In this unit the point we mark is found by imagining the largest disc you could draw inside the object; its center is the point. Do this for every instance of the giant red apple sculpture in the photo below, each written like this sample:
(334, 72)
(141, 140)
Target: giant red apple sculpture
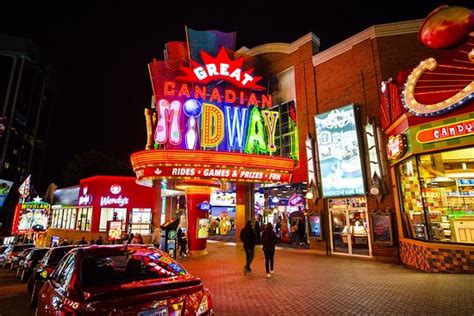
(446, 26)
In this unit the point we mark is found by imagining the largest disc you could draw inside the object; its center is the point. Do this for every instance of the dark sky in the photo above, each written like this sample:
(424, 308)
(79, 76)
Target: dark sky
(99, 50)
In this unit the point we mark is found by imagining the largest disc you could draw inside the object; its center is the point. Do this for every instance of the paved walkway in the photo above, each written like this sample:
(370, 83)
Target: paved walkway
(309, 284)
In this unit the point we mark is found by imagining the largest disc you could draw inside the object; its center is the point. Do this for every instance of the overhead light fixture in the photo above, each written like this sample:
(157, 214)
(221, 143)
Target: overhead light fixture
(309, 195)
(275, 199)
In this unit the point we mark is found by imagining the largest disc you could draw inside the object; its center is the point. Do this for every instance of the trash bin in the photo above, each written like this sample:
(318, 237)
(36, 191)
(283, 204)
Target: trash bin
(168, 242)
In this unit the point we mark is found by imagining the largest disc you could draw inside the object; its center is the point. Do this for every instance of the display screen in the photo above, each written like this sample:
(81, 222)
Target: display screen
(315, 225)
(202, 228)
(114, 230)
(5, 187)
(339, 152)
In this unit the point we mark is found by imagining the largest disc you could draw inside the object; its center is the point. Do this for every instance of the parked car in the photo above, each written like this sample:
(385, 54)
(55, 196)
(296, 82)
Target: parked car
(16, 259)
(45, 267)
(12, 251)
(122, 280)
(26, 266)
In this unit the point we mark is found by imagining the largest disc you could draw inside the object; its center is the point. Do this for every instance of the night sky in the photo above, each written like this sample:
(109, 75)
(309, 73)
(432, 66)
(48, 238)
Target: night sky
(98, 52)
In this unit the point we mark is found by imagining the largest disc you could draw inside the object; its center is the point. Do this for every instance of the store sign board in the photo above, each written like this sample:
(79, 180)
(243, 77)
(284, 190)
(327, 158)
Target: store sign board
(114, 200)
(295, 200)
(194, 111)
(215, 173)
(339, 152)
(447, 131)
(33, 215)
(396, 147)
(114, 230)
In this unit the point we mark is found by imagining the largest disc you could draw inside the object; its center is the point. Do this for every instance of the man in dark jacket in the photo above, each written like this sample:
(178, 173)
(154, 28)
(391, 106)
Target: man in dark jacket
(249, 239)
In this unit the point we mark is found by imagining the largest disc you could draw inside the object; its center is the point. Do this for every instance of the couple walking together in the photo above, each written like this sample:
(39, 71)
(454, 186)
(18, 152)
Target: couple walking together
(269, 240)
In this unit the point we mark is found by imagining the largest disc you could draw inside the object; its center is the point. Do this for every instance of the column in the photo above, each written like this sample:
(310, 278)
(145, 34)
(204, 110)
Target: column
(194, 197)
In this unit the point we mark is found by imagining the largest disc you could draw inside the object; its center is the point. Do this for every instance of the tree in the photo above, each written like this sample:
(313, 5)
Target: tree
(94, 163)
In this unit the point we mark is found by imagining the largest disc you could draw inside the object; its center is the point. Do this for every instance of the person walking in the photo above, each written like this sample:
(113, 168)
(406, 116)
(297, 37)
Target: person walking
(249, 239)
(99, 241)
(257, 231)
(82, 241)
(269, 240)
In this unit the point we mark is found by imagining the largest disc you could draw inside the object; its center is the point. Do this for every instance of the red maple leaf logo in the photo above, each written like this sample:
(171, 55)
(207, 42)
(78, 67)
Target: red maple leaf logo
(221, 67)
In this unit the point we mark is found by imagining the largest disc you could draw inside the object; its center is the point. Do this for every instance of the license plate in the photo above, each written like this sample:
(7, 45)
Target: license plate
(161, 311)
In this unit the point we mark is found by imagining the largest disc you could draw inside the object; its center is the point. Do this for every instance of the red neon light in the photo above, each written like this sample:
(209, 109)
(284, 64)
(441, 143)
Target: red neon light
(221, 67)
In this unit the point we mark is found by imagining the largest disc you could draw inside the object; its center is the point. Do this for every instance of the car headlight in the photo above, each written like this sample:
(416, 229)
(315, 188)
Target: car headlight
(203, 306)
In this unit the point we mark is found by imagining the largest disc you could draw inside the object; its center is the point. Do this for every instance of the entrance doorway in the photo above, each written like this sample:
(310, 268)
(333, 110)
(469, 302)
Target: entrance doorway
(349, 227)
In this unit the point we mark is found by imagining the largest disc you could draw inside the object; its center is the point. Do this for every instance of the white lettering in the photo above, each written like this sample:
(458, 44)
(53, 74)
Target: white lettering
(247, 78)
(225, 69)
(107, 200)
(200, 73)
(236, 74)
(212, 70)
(182, 172)
(436, 133)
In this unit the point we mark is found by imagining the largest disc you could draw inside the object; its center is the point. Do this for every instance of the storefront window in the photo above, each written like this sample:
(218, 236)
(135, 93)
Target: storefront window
(444, 194)
(107, 214)
(286, 136)
(84, 218)
(64, 218)
(141, 221)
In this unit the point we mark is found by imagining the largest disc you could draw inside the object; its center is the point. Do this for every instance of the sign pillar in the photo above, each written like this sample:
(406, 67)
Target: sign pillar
(244, 207)
(195, 196)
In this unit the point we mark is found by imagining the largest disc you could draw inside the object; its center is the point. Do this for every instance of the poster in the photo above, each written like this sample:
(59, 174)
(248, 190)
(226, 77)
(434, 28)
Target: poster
(5, 187)
(382, 229)
(202, 228)
(34, 216)
(315, 225)
(114, 230)
(338, 146)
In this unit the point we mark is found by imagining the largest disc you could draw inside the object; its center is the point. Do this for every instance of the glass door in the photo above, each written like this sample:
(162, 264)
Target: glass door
(350, 231)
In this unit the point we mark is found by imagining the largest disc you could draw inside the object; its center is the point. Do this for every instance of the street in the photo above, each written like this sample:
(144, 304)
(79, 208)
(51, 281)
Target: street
(304, 284)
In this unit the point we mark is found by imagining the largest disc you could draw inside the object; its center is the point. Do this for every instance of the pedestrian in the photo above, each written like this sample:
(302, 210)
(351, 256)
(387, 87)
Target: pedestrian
(155, 239)
(257, 231)
(92, 242)
(179, 235)
(137, 239)
(269, 240)
(301, 231)
(65, 242)
(183, 246)
(249, 239)
(99, 241)
(131, 238)
(82, 241)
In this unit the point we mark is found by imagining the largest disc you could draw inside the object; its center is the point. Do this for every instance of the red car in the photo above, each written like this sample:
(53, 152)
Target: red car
(122, 280)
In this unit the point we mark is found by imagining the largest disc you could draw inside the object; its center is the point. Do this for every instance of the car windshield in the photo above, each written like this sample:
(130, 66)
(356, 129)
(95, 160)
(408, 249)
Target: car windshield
(37, 254)
(57, 255)
(19, 248)
(128, 266)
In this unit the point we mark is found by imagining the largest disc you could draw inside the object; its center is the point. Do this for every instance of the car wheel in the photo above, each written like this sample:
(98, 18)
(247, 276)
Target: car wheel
(34, 296)
(31, 282)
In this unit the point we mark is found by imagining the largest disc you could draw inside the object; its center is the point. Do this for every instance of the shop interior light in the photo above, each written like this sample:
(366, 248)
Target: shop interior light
(309, 195)
(275, 199)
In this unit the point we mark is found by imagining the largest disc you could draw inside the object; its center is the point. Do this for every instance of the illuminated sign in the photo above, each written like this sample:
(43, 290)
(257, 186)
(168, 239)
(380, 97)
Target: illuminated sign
(448, 131)
(214, 106)
(204, 206)
(33, 215)
(450, 73)
(339, 152)
(216, 173)
(85, 198)
(118, 200)
(221, 67)
(396, 147)
(295, 200)
(114, 230)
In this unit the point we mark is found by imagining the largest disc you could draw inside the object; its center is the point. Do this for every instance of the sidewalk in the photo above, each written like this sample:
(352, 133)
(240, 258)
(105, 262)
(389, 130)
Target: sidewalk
(309, 284)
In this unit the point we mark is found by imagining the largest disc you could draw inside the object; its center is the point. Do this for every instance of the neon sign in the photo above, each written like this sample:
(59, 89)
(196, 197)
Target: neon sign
(444, 132)
(195, 110)
(396, 147)
(118, 200)
(221, 67)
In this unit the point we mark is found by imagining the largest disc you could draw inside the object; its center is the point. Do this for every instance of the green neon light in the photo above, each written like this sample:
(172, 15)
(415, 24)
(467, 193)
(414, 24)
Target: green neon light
(256, 133)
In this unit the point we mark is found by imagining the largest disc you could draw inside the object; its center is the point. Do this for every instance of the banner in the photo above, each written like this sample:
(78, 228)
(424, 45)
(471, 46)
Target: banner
(24, 188)
(5, 187)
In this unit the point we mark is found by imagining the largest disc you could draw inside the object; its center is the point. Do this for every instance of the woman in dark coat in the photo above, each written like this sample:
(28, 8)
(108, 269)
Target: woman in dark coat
(269, 240)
